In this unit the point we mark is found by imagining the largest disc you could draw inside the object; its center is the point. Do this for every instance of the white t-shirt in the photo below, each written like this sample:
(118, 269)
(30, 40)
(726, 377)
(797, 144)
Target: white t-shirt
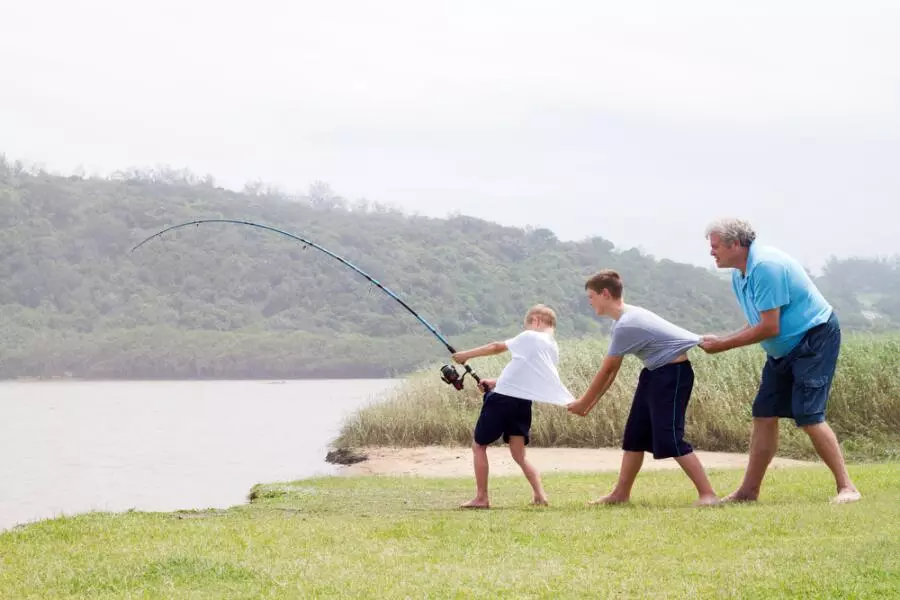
(532, 372)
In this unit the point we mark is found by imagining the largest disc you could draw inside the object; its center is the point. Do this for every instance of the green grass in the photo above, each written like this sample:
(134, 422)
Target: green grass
(379, 537)
(864, 408)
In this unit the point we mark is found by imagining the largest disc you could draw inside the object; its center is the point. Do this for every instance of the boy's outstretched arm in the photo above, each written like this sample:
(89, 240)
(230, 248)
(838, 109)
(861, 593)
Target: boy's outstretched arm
(486, 350)
(600, 384)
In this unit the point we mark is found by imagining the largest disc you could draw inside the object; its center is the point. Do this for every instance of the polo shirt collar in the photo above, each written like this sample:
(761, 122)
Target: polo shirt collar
(751, 262)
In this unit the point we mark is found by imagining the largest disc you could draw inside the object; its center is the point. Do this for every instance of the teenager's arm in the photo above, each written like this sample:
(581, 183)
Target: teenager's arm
(599, 385)
(486, 350)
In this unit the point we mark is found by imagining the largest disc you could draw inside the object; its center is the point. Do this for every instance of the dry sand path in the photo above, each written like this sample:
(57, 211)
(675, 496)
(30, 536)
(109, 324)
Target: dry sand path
(441, 461)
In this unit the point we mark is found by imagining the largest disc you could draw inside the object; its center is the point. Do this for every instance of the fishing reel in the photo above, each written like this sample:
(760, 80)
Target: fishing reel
(451, 376)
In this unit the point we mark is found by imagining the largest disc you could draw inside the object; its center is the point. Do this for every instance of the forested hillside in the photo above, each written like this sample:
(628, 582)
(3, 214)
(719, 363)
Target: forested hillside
(232, 301)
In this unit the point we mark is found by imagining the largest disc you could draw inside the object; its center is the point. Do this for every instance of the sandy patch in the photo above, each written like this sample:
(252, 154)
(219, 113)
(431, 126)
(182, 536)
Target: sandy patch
(441, 461)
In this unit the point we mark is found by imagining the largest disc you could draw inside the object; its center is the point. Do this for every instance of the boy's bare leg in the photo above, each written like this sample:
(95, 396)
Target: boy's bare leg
(694, 469)
(480, 461)
(828, 449)
(763, 446)
(631, 465)
(517, 450)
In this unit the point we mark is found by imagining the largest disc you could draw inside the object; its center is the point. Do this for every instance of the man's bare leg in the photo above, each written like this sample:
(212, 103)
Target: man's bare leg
(829, 450)
(480, 462)
(691, 465)
(763, 446)
(517, 450)
(631, 465)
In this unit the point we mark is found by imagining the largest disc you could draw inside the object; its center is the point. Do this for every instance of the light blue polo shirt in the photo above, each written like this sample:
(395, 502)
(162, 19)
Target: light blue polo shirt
(775, 280)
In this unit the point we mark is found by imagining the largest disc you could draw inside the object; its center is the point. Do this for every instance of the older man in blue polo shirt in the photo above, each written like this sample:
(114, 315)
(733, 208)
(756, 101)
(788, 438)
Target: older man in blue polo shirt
(797, 327)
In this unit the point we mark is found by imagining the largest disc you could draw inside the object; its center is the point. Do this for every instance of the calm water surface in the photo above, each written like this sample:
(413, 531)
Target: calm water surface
(71, 447)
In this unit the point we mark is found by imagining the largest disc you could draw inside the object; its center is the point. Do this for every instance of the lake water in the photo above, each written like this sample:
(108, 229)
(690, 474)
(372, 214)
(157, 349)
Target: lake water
(71, 447)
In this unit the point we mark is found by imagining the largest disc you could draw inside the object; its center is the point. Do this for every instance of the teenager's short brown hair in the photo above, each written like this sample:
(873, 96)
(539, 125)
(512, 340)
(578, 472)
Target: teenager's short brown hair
(607, 279)
(544, 312)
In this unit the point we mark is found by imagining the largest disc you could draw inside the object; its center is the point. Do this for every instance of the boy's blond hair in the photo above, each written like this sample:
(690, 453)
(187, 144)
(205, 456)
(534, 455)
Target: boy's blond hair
(544, 313)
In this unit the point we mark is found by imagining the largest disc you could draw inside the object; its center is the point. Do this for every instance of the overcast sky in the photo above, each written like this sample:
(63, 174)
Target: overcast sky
(636, 121)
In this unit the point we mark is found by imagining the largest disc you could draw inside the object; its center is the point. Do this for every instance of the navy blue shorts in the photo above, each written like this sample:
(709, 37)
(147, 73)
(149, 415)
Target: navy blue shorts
(656, 421)
(502, 415)
(796, 386)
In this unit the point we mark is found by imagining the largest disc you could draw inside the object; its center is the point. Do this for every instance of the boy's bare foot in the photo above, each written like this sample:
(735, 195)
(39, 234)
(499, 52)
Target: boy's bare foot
(739, 496)
(612, 498)
(476, 503)
(540, 502)
(846, 496)
(708, 500)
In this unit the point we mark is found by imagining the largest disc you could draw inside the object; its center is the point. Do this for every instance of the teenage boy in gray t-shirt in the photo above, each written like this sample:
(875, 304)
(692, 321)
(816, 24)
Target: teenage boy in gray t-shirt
(656, 421)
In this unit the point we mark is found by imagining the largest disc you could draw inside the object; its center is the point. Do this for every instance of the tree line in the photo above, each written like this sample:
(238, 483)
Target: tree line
(229, 301)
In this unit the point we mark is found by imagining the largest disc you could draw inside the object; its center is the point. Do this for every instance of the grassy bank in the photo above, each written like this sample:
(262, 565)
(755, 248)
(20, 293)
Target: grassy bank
(864, 407)
(401, 538)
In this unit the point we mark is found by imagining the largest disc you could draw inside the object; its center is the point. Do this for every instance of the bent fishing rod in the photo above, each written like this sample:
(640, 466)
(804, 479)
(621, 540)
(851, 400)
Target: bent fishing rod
(448, 373)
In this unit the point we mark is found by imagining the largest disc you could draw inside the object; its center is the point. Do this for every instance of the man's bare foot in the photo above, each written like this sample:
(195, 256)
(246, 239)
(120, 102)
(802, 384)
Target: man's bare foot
(540, 502)
(846, 496)
(476, 503)
(708, 500)
(612, 498)
(739, 496)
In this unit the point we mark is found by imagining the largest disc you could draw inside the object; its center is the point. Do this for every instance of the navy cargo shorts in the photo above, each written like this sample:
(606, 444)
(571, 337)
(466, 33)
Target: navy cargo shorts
(656, 421)
(797, 385)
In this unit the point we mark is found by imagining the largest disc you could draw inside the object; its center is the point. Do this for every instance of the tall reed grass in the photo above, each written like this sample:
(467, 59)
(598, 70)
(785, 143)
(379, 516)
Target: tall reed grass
(864, 408)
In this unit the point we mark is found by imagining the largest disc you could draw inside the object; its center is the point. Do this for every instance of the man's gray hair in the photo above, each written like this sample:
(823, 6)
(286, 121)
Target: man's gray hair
(732, 230)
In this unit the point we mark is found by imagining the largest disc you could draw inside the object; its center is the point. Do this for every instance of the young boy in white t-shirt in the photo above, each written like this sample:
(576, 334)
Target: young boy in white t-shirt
(531, 375)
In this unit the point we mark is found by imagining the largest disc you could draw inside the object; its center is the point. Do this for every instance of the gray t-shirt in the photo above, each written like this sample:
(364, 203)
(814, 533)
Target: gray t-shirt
(650, 337)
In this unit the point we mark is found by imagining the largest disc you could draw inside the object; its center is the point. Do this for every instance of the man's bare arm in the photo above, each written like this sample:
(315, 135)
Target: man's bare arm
(769, 326)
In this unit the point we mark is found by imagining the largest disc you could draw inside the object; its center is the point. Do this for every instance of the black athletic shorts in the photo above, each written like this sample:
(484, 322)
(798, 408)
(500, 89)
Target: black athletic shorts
(656, 421)
(502, 415)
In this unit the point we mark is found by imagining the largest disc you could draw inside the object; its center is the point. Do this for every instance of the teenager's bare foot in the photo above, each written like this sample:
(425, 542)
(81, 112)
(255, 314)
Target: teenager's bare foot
(612, 498)
(476, 503)
(540, 502)
(847, 495)
(739, 496)
(708, 500)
